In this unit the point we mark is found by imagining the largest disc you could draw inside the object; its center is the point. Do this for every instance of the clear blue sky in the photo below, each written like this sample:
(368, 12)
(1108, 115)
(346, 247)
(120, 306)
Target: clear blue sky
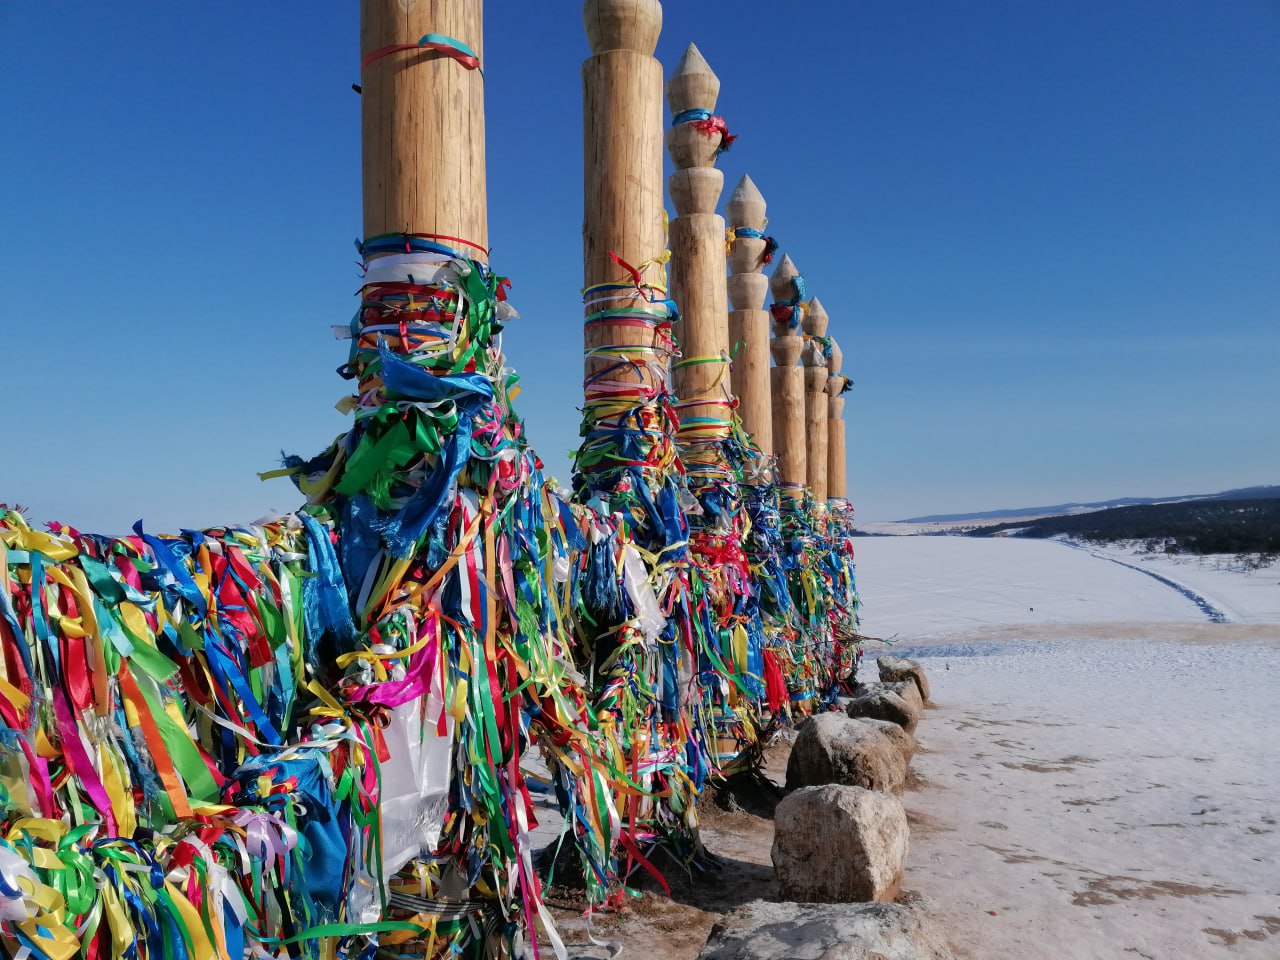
(1048, 235)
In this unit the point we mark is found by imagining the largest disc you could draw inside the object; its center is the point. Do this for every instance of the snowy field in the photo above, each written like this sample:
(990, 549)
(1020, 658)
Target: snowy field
(923, 588)
(1241, 594)
(1101, 776)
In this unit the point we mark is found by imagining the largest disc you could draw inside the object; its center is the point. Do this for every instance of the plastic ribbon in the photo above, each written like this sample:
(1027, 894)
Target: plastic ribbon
(437, 42)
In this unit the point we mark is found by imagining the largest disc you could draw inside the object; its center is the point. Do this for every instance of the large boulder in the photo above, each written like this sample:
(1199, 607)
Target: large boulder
(879, 701)
(905, 742)
(832, 748)
(838, 844)
(762, 930)
(893, 669)
(907, 690)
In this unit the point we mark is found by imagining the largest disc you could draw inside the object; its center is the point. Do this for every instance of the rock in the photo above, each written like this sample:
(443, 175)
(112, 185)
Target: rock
(838, 844)
(796, 931)
(893, 669)
(878, 702)
(831, 748)
(904, 741)
(907, 690)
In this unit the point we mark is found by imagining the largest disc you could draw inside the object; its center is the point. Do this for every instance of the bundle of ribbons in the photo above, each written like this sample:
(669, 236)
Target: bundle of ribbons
(319, 735)
(770, 608)
(458, 562)
(173, 782)
(716, 450)
(646, 637)
(809, 661)
(845, 604)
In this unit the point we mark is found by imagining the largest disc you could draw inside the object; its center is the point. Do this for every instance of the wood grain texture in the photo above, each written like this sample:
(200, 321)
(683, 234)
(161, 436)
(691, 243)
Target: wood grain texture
(816, 405)
(622, 167)
(815, 429)
(622, 25)
(787, 388)
(816, 321)
(747, 291)
(837, 466)
(697, 281)
(697, 247)
(787, 383)
(836, 441)
(749, 333)
(696, 190)
(749, 321)
(422, 123)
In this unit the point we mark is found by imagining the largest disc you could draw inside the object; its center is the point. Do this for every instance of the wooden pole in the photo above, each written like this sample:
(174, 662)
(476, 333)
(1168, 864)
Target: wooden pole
(422, 120)
(749, 320)
(816, 405)
(836, 437)
(622, 186)
(698, 283)
(787, 380)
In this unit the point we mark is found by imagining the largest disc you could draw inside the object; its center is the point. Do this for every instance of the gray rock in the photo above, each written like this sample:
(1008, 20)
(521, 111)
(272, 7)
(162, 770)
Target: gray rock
(796, 931)
(893, 669)
(879, 701)
(838, 844)
(832, 748)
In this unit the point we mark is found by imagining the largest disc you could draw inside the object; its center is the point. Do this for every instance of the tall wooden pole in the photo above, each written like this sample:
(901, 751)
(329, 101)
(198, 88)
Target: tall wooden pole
(787, 378)
(628, 457)
(836, 437)
(749, 320)
(422, 120)
(623, 210)
(698, 283)
(816, 405)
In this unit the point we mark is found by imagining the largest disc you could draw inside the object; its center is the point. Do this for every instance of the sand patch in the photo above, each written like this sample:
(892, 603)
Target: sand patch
(1106, 891)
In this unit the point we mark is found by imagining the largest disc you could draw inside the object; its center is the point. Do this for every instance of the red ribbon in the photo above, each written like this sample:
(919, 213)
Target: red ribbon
(635, 274)
(429, 42)
(775, 687)
(713, 125)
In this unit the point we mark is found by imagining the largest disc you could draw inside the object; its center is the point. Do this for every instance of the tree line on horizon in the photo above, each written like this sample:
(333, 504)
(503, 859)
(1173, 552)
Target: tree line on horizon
(1197, 527)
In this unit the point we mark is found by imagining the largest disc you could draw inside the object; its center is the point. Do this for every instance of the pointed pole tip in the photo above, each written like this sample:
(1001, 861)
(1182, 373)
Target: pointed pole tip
(746, 189)
(692, 62)
(786, 267)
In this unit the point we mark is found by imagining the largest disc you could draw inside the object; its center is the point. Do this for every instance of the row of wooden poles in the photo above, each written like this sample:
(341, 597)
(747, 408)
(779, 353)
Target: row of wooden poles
(424, 173)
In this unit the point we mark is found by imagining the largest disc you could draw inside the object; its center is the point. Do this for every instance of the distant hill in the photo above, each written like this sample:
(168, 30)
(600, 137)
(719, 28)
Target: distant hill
(1268, 492)
(1205, 525)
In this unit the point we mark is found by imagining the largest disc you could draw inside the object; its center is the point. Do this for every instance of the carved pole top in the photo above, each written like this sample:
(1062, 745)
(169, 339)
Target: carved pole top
(814, 359)
(816, 319)
(746, 207)
(782, 282)
(786, 350)
(815, 323)
(622, 25)
(693, 85)
(836, 360)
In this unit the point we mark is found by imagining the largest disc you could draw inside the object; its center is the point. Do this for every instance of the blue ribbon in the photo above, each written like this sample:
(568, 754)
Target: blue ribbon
(690, 116)
(186, 586)
(402, 243)
(325, 606)
(469, 391)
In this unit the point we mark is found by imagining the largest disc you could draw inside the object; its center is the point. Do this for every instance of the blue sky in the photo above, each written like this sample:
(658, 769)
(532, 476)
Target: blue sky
(1047, 233)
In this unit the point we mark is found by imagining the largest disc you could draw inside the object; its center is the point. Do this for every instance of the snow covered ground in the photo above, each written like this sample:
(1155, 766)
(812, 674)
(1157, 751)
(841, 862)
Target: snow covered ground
(1100, 777)
(1243, 595)
(954, 587)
